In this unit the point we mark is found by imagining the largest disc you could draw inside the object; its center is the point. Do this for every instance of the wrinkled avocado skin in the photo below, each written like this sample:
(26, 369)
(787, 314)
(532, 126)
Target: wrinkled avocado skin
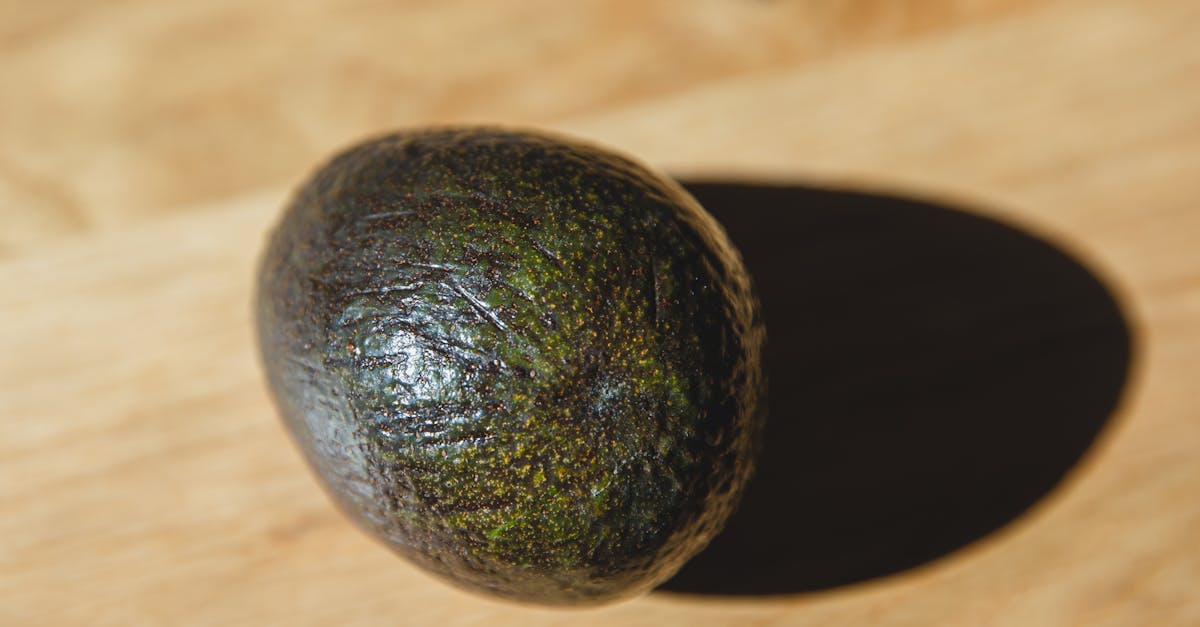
(524, 363)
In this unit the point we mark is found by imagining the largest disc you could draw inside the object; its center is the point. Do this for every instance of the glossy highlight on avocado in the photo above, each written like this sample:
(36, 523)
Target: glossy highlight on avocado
(526, 364)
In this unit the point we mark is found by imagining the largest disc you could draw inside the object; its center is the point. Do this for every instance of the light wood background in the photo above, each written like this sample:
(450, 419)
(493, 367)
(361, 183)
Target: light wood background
(146, 146)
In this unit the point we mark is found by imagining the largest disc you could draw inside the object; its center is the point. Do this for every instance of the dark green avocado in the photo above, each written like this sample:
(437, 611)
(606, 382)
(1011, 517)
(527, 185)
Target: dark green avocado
(527, 364)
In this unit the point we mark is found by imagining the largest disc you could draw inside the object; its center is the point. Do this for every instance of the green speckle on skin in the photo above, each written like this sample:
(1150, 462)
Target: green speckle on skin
(498, 531)
(520, 354)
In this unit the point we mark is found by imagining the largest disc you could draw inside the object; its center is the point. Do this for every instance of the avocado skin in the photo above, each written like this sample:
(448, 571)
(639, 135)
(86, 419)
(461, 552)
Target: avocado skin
(524, 363)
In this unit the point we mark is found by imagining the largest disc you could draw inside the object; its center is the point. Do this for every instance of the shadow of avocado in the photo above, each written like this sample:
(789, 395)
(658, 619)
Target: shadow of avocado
(933, 374)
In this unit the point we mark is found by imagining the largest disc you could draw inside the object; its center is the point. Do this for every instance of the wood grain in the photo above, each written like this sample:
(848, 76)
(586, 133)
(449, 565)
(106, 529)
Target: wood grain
(146, 147)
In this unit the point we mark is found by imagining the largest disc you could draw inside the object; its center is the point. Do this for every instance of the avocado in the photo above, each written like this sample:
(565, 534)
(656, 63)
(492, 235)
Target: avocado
(526, 364)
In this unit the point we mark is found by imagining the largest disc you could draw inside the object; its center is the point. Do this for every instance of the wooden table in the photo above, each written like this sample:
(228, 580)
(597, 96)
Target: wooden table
(145, 148)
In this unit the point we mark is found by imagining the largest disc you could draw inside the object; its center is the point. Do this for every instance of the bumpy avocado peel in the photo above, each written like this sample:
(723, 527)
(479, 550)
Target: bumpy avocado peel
(524, 363)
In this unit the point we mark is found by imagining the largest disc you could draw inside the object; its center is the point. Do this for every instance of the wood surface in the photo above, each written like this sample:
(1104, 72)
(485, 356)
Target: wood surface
(145, 148)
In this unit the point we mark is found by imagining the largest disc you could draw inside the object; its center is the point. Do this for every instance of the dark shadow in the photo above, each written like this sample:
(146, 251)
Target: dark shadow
(933, 375)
